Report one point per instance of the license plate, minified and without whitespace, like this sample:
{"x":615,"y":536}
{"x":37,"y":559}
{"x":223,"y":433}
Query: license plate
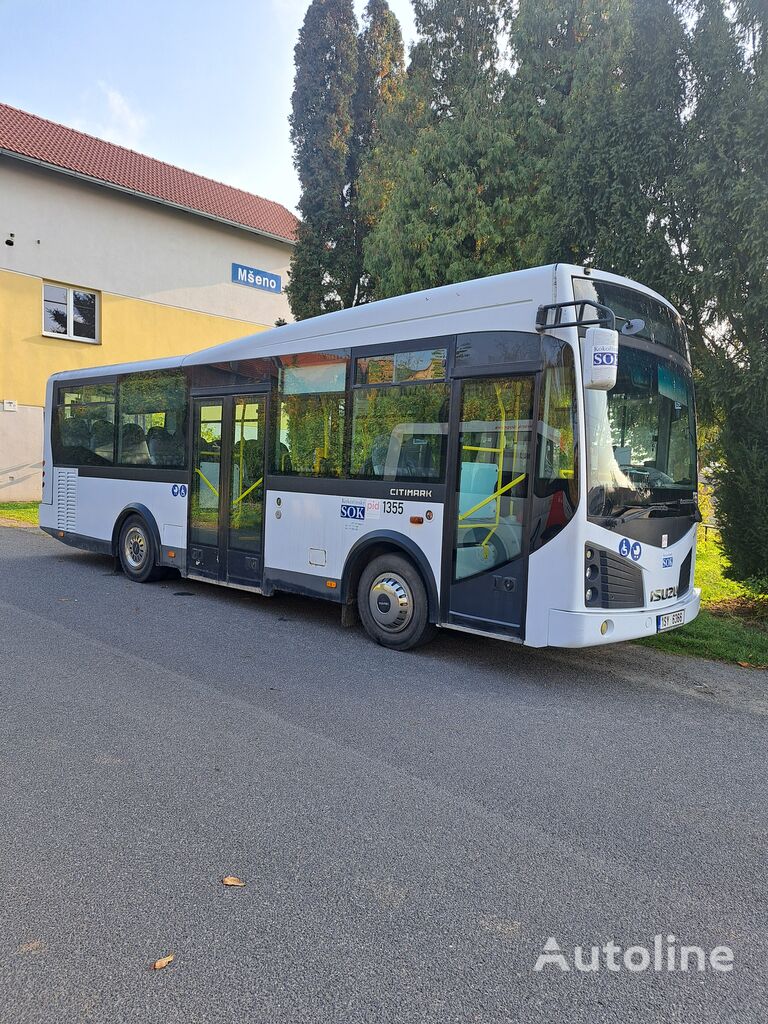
{"x":669,"y":621}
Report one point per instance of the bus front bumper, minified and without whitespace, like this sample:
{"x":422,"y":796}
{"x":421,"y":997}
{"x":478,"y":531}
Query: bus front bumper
{"x":584,"y":629}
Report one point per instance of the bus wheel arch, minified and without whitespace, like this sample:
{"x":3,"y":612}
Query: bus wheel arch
{"x":400,"y":571}
{"x":146,"y":537}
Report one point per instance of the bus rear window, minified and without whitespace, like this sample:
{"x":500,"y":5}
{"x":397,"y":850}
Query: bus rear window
{"x":84,"y":425}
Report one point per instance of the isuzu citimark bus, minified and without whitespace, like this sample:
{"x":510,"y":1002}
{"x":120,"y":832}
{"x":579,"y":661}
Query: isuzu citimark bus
{"x":514,"y":457}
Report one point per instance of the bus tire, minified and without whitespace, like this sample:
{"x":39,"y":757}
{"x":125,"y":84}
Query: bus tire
{"x":136,"y":549}
{"x":393,"y":604}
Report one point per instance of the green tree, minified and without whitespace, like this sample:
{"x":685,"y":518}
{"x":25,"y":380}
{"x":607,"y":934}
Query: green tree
{"x":598,"y":99}
{"x":729,"y":240}
{"x":442,"y":198}
{"x":321,"y":129}
{"x":380,"y":78}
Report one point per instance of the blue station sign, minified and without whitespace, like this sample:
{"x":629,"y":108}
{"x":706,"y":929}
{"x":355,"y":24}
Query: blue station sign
{"x":253,"y":278}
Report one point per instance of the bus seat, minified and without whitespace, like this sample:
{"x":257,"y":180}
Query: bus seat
{"x":163,"y":449}
{"x":75,"y":434}
{"x":133,"y":445}
{"x":103,"y":439}
{"x":478,"y":481}
{"x":415,"y":459}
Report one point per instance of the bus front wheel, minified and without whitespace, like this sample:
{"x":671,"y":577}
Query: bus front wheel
{"x":393,"y":604}
{"x":137,"y":551}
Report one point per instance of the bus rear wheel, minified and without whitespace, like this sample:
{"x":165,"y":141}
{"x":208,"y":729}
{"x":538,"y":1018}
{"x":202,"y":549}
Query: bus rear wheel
{"x":137,"y":551}
{"x":393,"y":604}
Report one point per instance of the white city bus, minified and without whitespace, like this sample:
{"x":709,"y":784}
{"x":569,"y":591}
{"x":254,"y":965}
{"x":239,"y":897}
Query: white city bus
{"x":514,"y":457}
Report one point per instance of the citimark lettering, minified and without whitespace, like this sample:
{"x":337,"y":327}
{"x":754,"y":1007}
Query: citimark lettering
{"x":410,"y":492}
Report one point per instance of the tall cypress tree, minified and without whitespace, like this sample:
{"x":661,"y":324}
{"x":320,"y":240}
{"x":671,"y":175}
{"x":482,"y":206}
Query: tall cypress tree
{"x":380,"y":78}
{"x":321,"y":130}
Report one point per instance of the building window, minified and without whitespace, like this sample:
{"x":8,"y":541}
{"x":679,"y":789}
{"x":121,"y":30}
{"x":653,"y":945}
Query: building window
{"x":152,"y":410}
{"x":309,"y":440}
{"x":70,"y":312}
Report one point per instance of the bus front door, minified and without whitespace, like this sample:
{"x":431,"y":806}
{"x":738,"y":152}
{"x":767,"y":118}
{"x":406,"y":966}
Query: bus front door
{"x":226,"y":507}
{"x":487,"y":570}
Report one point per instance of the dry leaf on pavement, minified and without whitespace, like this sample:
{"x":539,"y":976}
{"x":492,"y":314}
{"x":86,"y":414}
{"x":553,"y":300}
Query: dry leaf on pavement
{"x":233,"y":880}
{"x":158,"y":965}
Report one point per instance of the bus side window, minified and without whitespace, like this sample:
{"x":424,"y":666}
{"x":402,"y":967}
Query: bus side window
{"x":309,"y":436}
{"x":83,"y":429}
{"x":399,"y":432}
{"x":556,"y":482}
{"x":152,"y":430}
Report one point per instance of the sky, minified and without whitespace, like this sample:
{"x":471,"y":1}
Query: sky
{"x":203,"y":84}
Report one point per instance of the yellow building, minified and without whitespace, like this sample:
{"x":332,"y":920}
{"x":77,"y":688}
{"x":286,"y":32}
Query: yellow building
{"x":107,"y":256}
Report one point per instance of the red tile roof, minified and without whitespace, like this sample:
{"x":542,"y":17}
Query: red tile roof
{"x":57,"y":146}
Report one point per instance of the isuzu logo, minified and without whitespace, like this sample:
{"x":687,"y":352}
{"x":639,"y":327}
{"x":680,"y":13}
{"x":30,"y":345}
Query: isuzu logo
{"x":663,"y":593}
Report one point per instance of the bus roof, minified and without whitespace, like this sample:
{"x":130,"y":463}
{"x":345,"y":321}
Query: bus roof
{"x":426,"y":314}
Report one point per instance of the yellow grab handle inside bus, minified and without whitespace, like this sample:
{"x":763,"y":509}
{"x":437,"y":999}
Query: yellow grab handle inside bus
{"x":491,"y":497}
{"x":206,"y":481}
{"x":251,"y":488}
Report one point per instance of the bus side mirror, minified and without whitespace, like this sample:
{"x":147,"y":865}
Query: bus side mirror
{"x":600,"y":358}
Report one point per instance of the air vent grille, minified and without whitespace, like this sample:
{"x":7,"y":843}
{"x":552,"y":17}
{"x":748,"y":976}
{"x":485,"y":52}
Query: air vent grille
{"x":611,"y":581}
{"x":621,"y":583}
{"x":66,"y":499}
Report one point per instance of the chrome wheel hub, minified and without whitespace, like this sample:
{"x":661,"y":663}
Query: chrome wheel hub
{"x":390,"y":602}
{"x":135,"y":547}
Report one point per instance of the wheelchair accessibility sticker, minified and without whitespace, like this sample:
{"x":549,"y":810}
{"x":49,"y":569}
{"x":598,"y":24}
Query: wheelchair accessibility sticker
{"x":179,"y":490}
{"x":628,"y":550}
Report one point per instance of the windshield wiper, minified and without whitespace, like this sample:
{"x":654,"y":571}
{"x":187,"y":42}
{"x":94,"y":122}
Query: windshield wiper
{"x":636,"y":511}
{"x":659,"y":506}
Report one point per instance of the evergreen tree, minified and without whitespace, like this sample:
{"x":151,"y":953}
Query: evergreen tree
{"x":600,"y":94}
{"x":442,"y":195}
{"x":380,"y":77}
{"x":729,"y":183}
{"x":321,"y":131}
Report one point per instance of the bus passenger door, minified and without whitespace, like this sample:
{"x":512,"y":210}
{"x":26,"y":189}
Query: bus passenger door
{"x":226,"y":508}
{"x":245,"y":503}
{"x":205,"y":487}
{"x":486,"y":573}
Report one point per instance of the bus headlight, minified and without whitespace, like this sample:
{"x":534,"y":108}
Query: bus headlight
{"x":592,"y":577}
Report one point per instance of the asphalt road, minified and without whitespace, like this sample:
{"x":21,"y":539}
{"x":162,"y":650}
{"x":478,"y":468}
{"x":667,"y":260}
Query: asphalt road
{"x":411,"y":827}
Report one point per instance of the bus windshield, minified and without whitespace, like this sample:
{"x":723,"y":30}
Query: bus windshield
{"x":641,"y":436}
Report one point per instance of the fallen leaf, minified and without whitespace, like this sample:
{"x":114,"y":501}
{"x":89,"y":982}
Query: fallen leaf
{"x":31,"y":947}
{"x":233,"y":880}
{"x":744,"y":664}
{"x":158,"y":965}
